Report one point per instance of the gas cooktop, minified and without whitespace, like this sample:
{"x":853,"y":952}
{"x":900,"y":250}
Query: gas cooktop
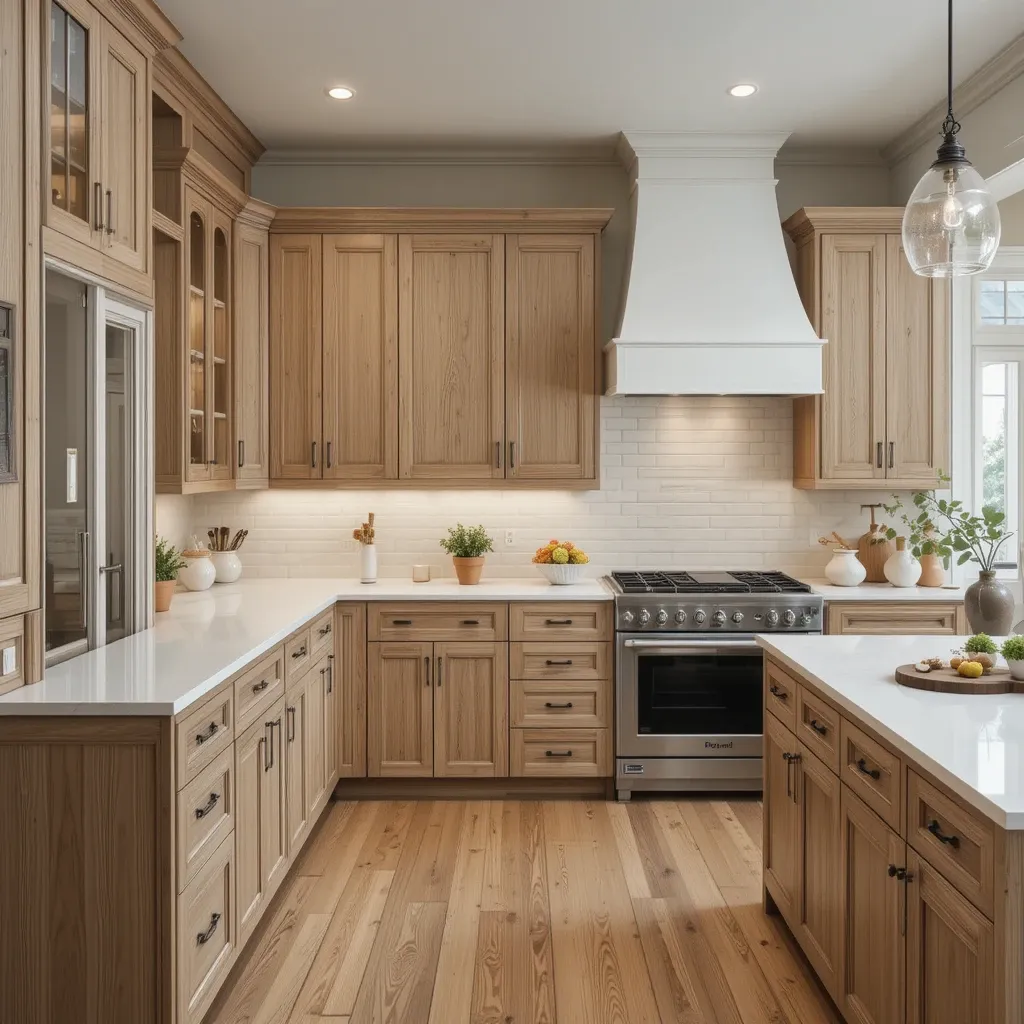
{"x":652,"y":581}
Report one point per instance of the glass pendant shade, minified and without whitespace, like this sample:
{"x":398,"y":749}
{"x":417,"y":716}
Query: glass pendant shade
{"x":951,"y":223}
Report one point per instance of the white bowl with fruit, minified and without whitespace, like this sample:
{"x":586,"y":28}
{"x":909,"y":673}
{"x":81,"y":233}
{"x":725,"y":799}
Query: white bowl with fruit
{"x":561,"y":562}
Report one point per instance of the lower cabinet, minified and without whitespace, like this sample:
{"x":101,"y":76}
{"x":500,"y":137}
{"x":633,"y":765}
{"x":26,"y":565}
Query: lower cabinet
{"x":884,"y":618}
{"x":781,"y":818}
{"x":298,"y":731}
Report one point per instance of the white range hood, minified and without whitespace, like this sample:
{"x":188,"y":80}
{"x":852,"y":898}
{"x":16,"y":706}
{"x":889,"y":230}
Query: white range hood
{"x":710,"y":304}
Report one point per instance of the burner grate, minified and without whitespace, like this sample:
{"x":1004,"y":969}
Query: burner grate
{"x":652,"y":581}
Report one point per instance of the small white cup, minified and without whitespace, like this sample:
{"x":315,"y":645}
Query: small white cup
{"x":421,"y":574}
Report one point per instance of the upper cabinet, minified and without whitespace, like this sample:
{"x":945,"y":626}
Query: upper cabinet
{"x":883,"y":420}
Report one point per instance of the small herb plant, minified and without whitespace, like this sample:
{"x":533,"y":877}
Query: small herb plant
{"x":168,"y":561}
{"x":467,"y":541}
{"x":980,"y":643}
{"x":1013,"y":648}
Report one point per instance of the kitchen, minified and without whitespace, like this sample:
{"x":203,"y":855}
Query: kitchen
{"x":337,"y":312}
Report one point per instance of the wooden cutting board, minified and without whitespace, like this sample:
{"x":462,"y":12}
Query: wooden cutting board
{"x":947,"y":680}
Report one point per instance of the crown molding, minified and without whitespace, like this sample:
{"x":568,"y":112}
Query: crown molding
{"x":257,"y":214}
{"x":569,"y":155}
{"x":970,"y":94}
{"x":142,"y":20}
{"x":829,"y":156}
{"x":327,"y":219}
{"x":844,"y":219}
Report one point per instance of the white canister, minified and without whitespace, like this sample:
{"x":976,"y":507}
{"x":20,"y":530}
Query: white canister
{"x":367,"y":563}
{"x":845,"y":569}
{"x":901,"y":568}
{"x":198,"y":572}
{"x":227,"y":564}
{"x":421,"y":574}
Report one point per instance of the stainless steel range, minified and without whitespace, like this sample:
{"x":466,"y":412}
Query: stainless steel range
{"x":689,"y":705}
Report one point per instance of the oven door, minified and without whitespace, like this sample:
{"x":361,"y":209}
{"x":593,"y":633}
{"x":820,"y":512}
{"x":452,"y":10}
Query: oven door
{"x":689,"y":696}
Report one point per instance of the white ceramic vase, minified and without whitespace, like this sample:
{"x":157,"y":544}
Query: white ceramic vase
{"x":198,"y":572}
{"x":227,"y":564}
{"x":1016,"y":668}
{"x":367,"y":563}
{"x":902,"y":569}
{"x":845,"y":569}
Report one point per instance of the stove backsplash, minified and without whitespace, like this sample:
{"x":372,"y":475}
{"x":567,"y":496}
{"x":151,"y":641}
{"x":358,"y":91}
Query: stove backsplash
{"x":688,"y":482}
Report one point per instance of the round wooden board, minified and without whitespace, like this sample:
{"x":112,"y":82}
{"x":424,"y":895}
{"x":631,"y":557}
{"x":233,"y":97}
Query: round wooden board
{"x":947,"y":680}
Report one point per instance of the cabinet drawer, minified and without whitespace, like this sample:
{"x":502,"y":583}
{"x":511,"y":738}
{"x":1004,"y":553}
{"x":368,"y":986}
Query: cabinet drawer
{"x":889,"y":617}
{"x":817,"y":724}
{"x":297,"y":656}
{"x":556,"y":704}
{"x":321,"y":635}
{"x":560,"y":752}
{"x":562,"y":620}
{"x":206,"y":814}
{"x":780,"y":691}
{"x":426,"y":620}
{"x":206,"y":933}
{"x":558,"y":659}
{"x":954,"y":839}
{"x":204,"y":733}
{"x":257,"y":688}
{"x":872,"y":772}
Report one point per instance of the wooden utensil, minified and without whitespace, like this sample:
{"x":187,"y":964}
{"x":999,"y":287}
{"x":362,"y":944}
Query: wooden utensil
{"x":948,"y":680}
{"x":873,"y":549}
{"x":239,"y":539}
{"x":212,"y":534}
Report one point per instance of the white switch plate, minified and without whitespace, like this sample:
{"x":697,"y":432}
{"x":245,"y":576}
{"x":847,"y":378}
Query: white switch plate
{"x":10,"y":661}
{"x":510,"y":538}
{"x":72,"y":464}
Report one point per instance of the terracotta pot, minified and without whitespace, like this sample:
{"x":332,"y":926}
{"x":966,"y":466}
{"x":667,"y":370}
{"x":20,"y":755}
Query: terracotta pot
{"x":932,"y":572}
{"x":468,"y":570}
{"x":988,"y":603}
{"x":163,"y":592}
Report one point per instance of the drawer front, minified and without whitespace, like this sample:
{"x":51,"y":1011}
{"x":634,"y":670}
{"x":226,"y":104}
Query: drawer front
{"x":321,"y":635}
{"x":873,"y":772}
{"x":562,"y":620}
{"x":204,"y":733}
{"x":555,"y":704}
{"x":206,"y":933}
{"x":426,"y":620}
{"x":889,"y":617}
{"x":558,"y":659}
{"x":817,"y":724}
{"x":780,"y":690}
{"x":206,"y":814}
{"x":257,"y":689}
{"x":954,"y":839}
{"x":298,"y":656}
{"x":560,"y":752}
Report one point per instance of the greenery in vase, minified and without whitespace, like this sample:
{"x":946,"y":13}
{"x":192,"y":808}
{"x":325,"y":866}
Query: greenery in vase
{"x":168,"y":561}
{"x":980,"y":643}
{"x":1013,"y":648}
{"x":467,"y":541}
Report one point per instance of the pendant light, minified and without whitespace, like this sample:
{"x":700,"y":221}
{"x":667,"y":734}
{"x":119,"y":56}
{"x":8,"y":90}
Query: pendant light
{"x":951,"y":222}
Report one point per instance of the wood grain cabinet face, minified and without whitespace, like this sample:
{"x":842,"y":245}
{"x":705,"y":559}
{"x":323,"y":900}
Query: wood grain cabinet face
{"x":550,"y":357}
{"x":400,"y":734}
{"x":884,"y":618}
{"x":349,"y":689}
{"x":298,"y":730}
{"x":315,"y":745}
{"x":782,"y":818}
{"x":250,"y":767}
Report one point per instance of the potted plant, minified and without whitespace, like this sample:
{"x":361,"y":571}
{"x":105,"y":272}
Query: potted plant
{"x":467,"y":545}
{"x":168,"y":562}
{"x":1013,"y":651}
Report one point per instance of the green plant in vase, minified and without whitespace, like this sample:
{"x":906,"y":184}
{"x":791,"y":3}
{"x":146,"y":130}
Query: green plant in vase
{"x":167,"y":562}
{"x":467,"y":545}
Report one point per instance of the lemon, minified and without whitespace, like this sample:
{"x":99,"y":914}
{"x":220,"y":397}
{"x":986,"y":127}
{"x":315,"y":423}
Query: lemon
{"x":970,"y":669}
{"x":560,"y":556}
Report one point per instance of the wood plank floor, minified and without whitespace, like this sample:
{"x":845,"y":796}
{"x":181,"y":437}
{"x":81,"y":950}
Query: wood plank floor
{"x":517,"y":912}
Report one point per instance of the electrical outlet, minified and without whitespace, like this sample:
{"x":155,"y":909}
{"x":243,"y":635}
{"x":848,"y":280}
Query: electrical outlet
{"x":10,"y":661}
{"x":510,"y":538}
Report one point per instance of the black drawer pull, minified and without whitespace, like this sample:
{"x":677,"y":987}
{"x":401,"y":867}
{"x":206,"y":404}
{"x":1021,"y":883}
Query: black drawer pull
{"x":900,"y":874}
{"x":300,"y":653}
{"x":936,"y":830}
{"x":204,"y":937}
{"x":202,"y":812}
{"x":558,"y":753}
{"x":551,"y":661}
{"x":211,"y":731}
{"x":260,"y":686}
{"x":862,"y":767}
{"x":565,"y":706}
{"x":471,"y":622}
{"x":558,"y":622}
{"x":818,"y":727}
{"x":324,"y":630}
{"x":777,"y":691}
{"x":401,"y":622}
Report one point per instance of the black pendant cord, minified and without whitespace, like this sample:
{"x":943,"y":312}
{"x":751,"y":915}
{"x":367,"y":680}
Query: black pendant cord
{"x":950,"y":126}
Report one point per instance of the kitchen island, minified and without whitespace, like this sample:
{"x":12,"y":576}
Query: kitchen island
{"x":894,"y":830}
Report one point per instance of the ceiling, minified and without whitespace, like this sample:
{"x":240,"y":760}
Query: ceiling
{"x":507,"y":72}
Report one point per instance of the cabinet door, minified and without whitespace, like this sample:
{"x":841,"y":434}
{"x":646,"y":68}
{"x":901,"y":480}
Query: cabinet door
{"x":917,"y":371}
{"x":550,"y":353}
{"x":295,"y":357}
{"x":950,"y":952}
{"x":872,"y":949}
{"x":451,"y":340}
{"x":360,"y":357}
{"x":199,"y":357}
{"x":781,"y":819}
{"x":400,"y":733}
{"x":820,"y":914}
{"x":124,"y":140}
{"x":251,"y":327}
{"x":350,"y":689}
{"x":274,"y":802}
{"x":853,"y":369}
{"x":470,"y":710}
{"x":316,"y":740}
{"x":297,"y":733}
{"x":222,"y":456}
{"x":250,"y":763}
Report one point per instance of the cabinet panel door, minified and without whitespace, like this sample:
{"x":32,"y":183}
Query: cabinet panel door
{"x":872,"y":941}
{"x":124,"y":136}
{"x":250,"y":760}
{"x":316,"y":739}
{"x":400,"y":736}
{"x":917,"y":371}
{"x":296,"y":347}
{"x":781,"y":819}
{"x":298,"y":731}
{"x":222,"y":454}
{"x":198,"y":351}
{"x":550,"y":402}
{"x":471,"y":710}
{"x":274,"y":803}
{"x":853,"y":368}
{"x":950,"y":952}
{"x":360,"y":357}
{"x":451,"y":339}
{"x":350,"y":688}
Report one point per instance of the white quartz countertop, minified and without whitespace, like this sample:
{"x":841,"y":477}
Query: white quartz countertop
{"x":972,"y":743}
{"x":883,"y":592}
{"x":207,"y":637}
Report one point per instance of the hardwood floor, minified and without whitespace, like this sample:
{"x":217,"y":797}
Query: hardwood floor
{"x":516,"y":912}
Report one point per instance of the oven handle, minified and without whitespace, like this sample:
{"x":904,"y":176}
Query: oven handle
{"x":715,"y":646}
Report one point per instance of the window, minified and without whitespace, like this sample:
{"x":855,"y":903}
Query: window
{"x":1001,"y":303}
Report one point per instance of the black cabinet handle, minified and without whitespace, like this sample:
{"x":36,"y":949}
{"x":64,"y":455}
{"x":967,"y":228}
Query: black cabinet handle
{"x":401,"y":622}
{"x":558,"y":622}
{"x":330,"y":454}
{"x":313,"y":456}
{"x":862,"y":767}
{"x":497,"y":455}
{"x":818,"y":727}
{"x":471,"y":622}
{"x":300,"y":653}
{"x":97,"y":202}
{"x":204,"y":937}
{"x":892,"y":454}
{"x":777,"y":691}
{"x":260,"y":686}
{"x":291,"y":722}
{"x":202,"y":812}
{"x":936,"y":830}
{"x":878,"y":455}
{"x":209,"y":733}
{"x":439,"y":672}
{"x":900,"y":874}
{"x":512,"y":456}
{"x":565,"y":706}
{"x":241,"y":454}
{"x":330,"y":673}
{"x":426,"y":668}
{"x":558,"y":753}
{"x":324,"y":630}
{"x":552,"y":661}
{"x":110,"y":229}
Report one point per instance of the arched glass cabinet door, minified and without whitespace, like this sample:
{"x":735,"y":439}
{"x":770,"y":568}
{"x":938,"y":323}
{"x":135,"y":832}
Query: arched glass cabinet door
{"x":220,"y":344}
{"x":198,"y":370}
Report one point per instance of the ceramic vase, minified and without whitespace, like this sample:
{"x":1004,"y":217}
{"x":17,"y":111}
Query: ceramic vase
{"x":163,"y":592}
{"x":988,"y":603}
{"x":902,"y":569}
{"x":845,"y":569}
{"x":1016,"y":669}
{"x":367,"y":563}
{"x":198,"y":573}
{"x":227,"y":565}
{"x":468,"y":570}
{"x":932,"y":572}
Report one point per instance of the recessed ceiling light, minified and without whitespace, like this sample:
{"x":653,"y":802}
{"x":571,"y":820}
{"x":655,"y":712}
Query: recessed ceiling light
{"x":341,"y":92}
{"x":743,"y":90}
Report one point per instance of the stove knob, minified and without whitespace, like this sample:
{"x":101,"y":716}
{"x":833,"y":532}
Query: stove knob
{"x":718,"y":618}
{"x":680,"y":616}
{"x":662,"y":616}
{"x":645,"y":616}
{"x":805,"y":619}
{"x":772,"y":618}
{"x":789,"y":617}
{"x":737,"y":617}
{"x":699,"y":616}
{"x":627,"y":617}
